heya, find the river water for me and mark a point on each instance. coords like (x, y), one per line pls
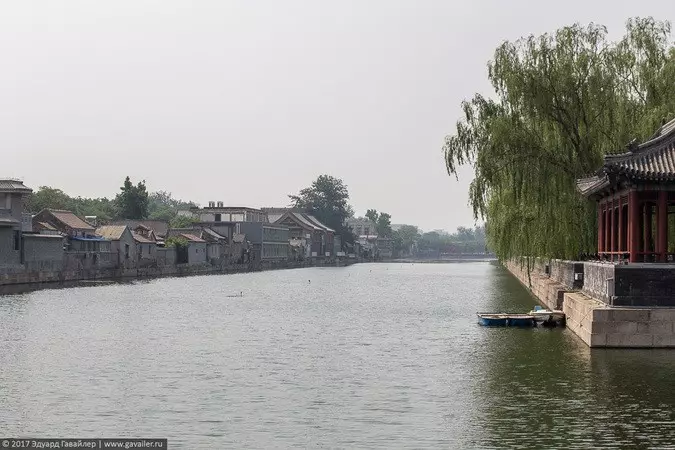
(367, 356)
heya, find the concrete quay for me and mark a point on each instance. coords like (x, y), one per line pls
(589, 312)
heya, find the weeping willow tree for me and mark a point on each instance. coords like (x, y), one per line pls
(561, 102)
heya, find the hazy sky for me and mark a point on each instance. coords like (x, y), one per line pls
(248, 101)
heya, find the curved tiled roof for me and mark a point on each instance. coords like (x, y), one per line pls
(653, 160)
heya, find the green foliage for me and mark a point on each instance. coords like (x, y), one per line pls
(382, 222)
(176, 241)
(183, 222)
(562, 101)
(48, 197)
(327, 199)
(162, 206)
(132, 202)
(405, 238)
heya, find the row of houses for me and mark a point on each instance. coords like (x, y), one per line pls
(220, 235)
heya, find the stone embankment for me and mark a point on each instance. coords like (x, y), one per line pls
(19, 281)
(586, 292)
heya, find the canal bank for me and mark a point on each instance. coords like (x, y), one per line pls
(606, 305)
(22, 281)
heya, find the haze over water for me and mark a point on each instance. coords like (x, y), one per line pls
(368, 356)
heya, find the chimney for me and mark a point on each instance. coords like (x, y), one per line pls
(220, 204)
(212, 204)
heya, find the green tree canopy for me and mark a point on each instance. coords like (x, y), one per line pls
(162, 206)
(328, 200)
(133, 201)
(561, 102)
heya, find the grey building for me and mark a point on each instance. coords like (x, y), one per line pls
(268, 241)
(122, 243)
(12, 195)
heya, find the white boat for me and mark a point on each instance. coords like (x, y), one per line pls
(541, 315)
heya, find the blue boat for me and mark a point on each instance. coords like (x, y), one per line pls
(492, 320)
(520, 320)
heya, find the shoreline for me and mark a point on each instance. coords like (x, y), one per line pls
(102, 277)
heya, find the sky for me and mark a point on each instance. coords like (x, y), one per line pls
(248, 101)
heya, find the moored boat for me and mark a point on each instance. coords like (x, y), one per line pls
(520, 320)
(492, 319)
(542, 315)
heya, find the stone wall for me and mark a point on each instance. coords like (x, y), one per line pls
(42, 247)
(644, 285)
(587, 313)
(602, 326)
(596, 277)
(43, 274)
(547, 290)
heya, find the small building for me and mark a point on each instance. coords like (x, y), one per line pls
(45, 228)
(385, 247)
(216, 245)
(66, 222)
(196, 249)
(305, 227)
(12, 195)
(159, 228)
(122, 243)
(634, 191)
(146, 250)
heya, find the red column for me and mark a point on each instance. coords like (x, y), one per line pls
(620, 244)
(612, 236)
(601, 228)
(647, 230)
(662, 226)
(633, 238)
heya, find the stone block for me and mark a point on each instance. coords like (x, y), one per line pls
(629, 340)
(664, 340)
(662, 314)
(598, 340)
(660, 327)
(601, 315)
(629, 315)
(615, 327)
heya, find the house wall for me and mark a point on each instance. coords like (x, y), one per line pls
(166, 256)
(196, 252)
(8, 253)
(252, 230)
(11, 206)
(214, 250)
(42, 247)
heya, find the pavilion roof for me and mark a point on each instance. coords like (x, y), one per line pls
(653, 160)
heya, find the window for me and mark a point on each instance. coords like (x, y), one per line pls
(126, 251)
(218, 218)
(17, 240)
(6, 201)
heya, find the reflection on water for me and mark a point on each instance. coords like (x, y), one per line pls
(377, 356)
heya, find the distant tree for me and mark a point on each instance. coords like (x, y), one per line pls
(327, 200)
(162, 206)
(372, 215)
(183, 221)
(405, 238)
(48, 197)
(132, 202)
(383, 225)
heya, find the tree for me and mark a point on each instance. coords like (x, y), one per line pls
(48, 197)
(162, 206)
(562, 101)
(327, 200)
(183, 221)
(405, 239)
(372, 215)
(383, 225)
(132, 202)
